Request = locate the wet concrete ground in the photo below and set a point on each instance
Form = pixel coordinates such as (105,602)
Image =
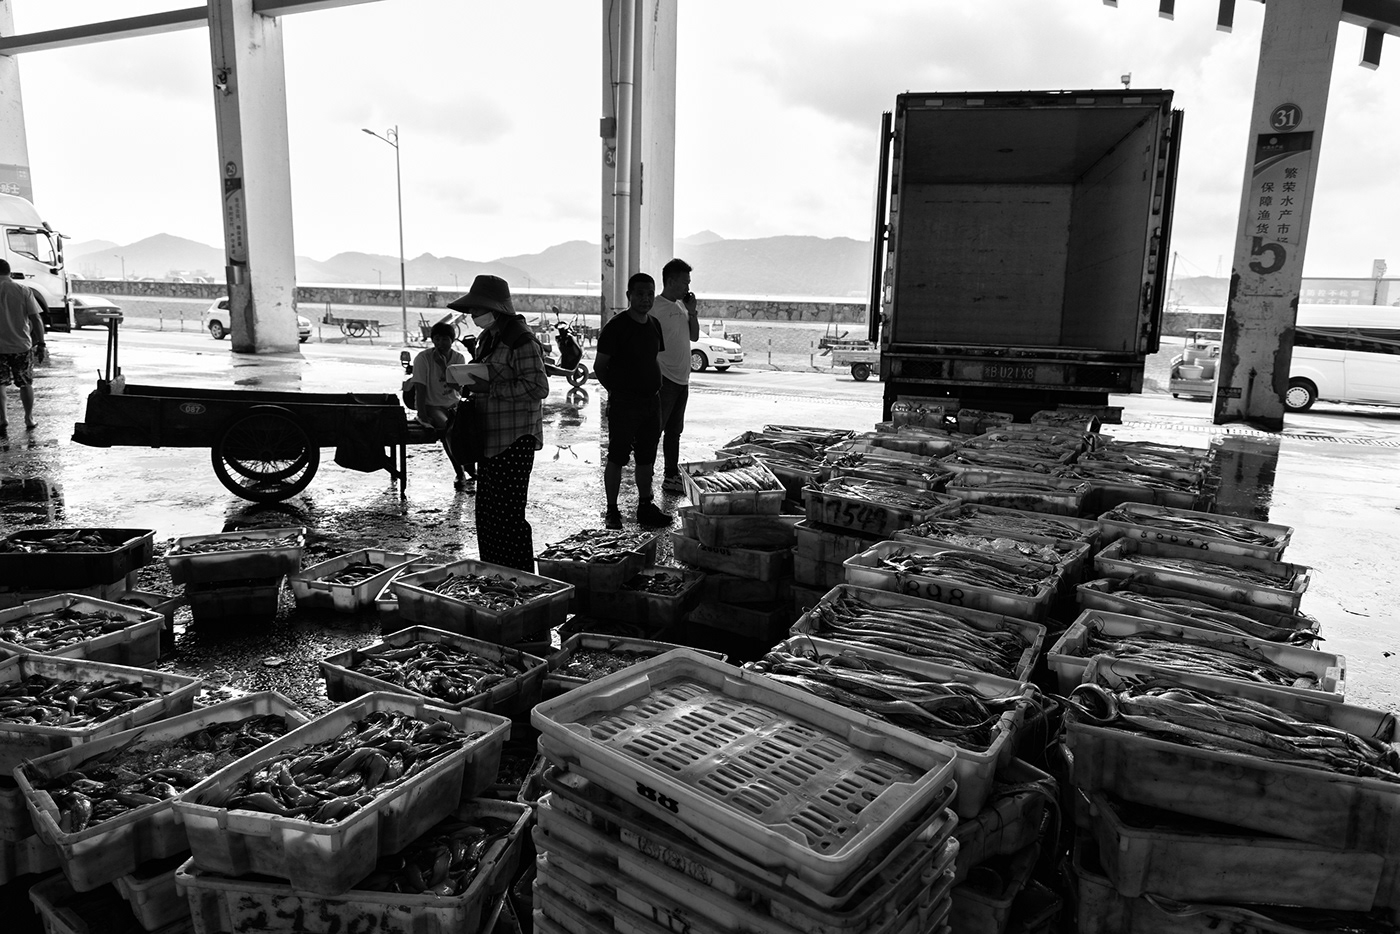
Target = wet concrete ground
(1333,478)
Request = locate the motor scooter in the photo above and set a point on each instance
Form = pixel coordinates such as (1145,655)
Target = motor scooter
(569,361)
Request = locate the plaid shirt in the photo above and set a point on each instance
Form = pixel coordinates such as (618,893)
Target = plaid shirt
(513,406)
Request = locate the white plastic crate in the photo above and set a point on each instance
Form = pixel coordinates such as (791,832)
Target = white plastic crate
(997,488)
(1033,634)
(838,784)
(1067,659)
(1132,598)
(1135,520)
(864,570)
(328,859)
(386,602)
(223,904)
(64,911)
(105,851)
(974,769)
(153,897)
(755,531)
(763,565)
(765,501)
(137,644)
(311,590)
(1283,596)
(248,562)
(419,603)
(850,503)
(556,682)
(20,741)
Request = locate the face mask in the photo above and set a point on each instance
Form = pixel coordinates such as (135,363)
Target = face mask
(484,320)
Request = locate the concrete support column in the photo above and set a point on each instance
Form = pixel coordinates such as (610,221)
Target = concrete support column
(1290,102)
(250,111)
(639,143)
(14,145)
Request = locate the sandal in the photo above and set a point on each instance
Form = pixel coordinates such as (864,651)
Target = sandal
(31,426)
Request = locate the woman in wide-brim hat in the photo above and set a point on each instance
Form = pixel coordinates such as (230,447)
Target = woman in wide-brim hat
(509,412)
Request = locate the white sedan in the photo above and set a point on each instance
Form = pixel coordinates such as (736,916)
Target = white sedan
(716,352)
(216,322)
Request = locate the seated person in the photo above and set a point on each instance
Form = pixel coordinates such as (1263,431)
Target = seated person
(436,396)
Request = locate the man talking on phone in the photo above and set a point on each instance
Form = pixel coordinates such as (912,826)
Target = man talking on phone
(680,324)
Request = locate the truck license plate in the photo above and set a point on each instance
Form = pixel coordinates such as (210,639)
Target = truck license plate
(1009,372)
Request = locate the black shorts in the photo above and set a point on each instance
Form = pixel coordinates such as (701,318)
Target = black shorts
(634,427)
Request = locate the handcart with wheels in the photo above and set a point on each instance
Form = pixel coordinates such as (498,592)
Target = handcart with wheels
(264,445)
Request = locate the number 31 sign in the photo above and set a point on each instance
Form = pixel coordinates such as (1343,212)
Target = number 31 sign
(1286,117)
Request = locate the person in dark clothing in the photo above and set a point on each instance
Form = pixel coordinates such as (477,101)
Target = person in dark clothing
(21,345)
(509,407)
(625,364)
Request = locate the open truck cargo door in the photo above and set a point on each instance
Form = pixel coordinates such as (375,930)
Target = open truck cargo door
(1027,239)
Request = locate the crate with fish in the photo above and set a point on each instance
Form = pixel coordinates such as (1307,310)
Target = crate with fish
(595,560)
(588,656)
(580,811)
(1111,486)
(72,626)
(101,911)
(48,704)
(873,508)
(733,486)
(978,716)
(163,603)
(62,559)
(348,582)
(1271,585)
(14,816)
(859,779)
(905,439)
(1103,910)
(1012,819)
(1151,460)
(104,827)
(234,602)
(978,421)
(485,601)
(928,475)
(794,471)
(828,545)
(449,669)
(445,882)
(1029,492)
(249,554)
(152,894)
(1070,557)
(918,412)
(754,563)
(660,596)
(1330,772)
(26,856)
(1198,611)
(982,902)
(321,804)
(976,580)
(386,602)
(1003,646)
(1206,531)
(1034,526)
(1214,654)
(660,868)
(765,531)
(1147,850)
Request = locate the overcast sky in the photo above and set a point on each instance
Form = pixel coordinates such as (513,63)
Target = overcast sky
(779,106)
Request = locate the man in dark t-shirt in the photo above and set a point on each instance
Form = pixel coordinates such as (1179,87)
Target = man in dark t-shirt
(625,364)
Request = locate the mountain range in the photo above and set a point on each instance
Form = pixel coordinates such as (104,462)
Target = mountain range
(787,265)
(836,267)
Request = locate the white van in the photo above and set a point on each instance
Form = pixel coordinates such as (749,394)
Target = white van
(1345,353)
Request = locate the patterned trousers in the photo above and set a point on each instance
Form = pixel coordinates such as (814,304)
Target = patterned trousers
(502,487)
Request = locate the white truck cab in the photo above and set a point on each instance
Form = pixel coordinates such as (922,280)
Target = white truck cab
(35,252)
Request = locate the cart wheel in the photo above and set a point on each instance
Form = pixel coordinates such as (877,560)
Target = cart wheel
(265,455)
(579,376)
(355,328)
(861,371)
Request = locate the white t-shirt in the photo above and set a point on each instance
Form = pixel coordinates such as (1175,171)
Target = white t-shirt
(674,360)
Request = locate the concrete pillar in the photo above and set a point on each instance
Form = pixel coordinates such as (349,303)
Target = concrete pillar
(14,145)
(250,111)
(1285,137)
(656,98)
(639,237)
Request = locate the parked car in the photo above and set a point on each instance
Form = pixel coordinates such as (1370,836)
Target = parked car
(716,352)
(94,310)
(1345,353)
(215,321)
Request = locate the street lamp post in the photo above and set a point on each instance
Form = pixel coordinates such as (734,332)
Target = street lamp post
(392,138)
(379,274)
(123,260)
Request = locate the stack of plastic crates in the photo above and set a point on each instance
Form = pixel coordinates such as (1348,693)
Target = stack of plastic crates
(685,795)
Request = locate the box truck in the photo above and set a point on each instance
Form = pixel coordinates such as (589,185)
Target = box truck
(35,252)
(1020,245)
